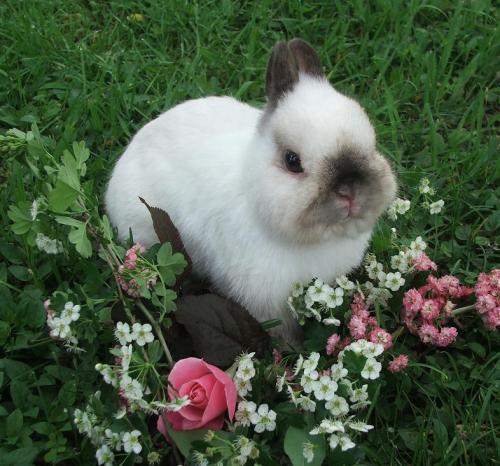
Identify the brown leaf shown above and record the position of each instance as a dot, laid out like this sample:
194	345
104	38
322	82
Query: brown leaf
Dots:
167	232
220	328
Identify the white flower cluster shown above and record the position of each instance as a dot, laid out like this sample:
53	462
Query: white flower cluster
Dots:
104	438
319	300
341	394
141	333
120	377
60	325
399	206
244	374
48	245
245	449
424	188
261	417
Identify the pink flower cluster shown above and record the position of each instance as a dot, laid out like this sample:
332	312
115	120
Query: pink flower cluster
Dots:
487	291
363	325
125	275
398	364
427	309
423	263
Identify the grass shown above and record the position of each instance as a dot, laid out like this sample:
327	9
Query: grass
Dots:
427	73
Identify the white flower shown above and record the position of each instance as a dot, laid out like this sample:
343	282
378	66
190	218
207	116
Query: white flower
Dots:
309	302
335	298
399	206
345	283
373	268
337	371
132	388
199	459
246	368
47	245
345	442
359	394
337	406
242	386
263	419
325	388
131	442
280	383
244	411
298	365
59	328
307	404
297	289
108	374
319	291
424	187
114	439
104	456
377	295
311	363
142	334
34	209
308	451
360	405
308	381
126	356
70	313
394	281
244	445
359	426
436	207
400	262
381	277
178	403
122	333
331	321
327	426
417	246
372	369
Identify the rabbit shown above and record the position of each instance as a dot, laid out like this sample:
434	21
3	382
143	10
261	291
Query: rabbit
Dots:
262	198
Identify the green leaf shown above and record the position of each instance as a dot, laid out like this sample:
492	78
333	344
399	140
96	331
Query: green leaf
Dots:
62	196
294	444
79	238
68	172
184	439
14	423
67	394
21	216
21	456
72	222
20	272
477	348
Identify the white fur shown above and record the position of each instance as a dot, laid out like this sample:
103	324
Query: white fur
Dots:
203	162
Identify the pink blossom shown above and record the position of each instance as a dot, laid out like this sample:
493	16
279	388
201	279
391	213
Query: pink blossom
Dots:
430	310
332	343
428	333
423	263
446	336
485	303
357	327
379	335
346	341
358	304
413	301
277	356
492	319
398	364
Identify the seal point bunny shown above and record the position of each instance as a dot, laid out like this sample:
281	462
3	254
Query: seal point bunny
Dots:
262	198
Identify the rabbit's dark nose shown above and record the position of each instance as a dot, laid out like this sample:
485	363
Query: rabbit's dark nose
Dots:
349	172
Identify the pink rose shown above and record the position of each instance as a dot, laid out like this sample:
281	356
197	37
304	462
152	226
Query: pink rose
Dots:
211	393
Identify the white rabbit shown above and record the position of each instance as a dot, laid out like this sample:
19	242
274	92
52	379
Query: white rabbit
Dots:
261	198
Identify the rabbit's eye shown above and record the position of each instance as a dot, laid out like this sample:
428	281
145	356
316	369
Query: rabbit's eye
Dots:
292	162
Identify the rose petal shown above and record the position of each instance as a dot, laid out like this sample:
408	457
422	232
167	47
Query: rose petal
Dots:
186	370
229	387
216	404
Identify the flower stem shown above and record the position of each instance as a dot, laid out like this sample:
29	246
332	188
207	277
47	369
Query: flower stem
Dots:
158	332
461	310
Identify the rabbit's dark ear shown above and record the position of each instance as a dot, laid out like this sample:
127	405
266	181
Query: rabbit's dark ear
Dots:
282	73
287	60
306	57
